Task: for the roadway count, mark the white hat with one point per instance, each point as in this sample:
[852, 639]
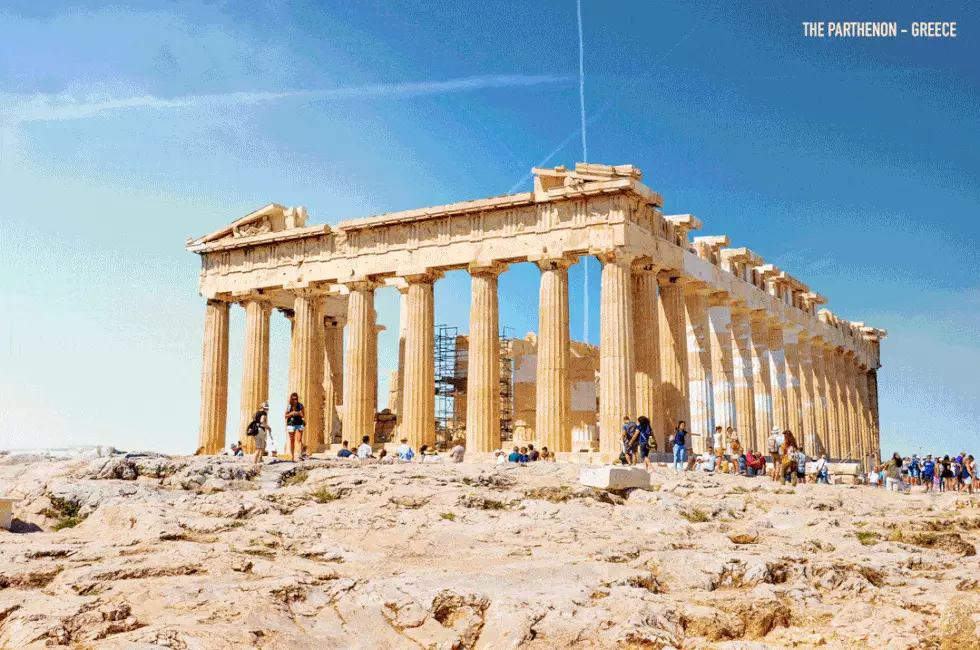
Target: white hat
[776, 430]
[265, 406]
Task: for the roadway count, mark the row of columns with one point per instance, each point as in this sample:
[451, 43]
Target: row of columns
[671, 348]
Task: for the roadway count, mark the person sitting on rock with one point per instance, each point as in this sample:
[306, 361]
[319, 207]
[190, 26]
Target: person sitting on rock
[515, 455]
[429, 455]
[345, 451]
[405, 452]
[532, 453]
[234, 450]
[500, 456]
[547, 456]
[457, 453]
[524, 457]
[365, 450]
[743, 465]
[384, 458]
[707, 462]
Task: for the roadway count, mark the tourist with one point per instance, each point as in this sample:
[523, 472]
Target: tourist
[515, 455]
[958, 472]
[532, 453]
[547, 456]
[734, 444]
[457, 452]
[893, 474]
[259, 429]
[723, 465]
[365, 450]
[524, 457]
[718, 441]
[630, 441]
[967, 474]
[295, 424]
[303, 454]
[345, 451]
[928, 472]
[679, 442]
[500, 456]
[801, 460]
[405, 452]
[787, 458]
[234, 450]
[743, 465]
[822, 470]
[915, 470]
[946, 477]
[644, 436]
[384, 458]
[428, 454]
[707, 462]
[773, 443]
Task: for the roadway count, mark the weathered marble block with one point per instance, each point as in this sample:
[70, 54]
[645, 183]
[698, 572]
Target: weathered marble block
[614, 478]
[6, 511]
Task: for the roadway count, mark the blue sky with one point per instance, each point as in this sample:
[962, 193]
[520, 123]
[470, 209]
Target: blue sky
[852, 164]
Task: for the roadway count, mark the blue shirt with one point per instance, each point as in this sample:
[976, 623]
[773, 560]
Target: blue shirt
[644, 434]
[928, 468]
[344, 453]
[514, 457]
[679, 437]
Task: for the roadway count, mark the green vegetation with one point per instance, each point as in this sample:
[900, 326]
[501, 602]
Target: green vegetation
[323, 495]
[867, 537]
[695, 516]
[448, 515]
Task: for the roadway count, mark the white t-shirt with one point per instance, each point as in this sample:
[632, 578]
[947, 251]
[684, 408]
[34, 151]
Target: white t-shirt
[456, 455]
[719, 439]
[364, 451]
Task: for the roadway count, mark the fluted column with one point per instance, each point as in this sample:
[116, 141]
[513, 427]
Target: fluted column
[373, 356]
[850, 372]
[214, 378]
[777, 375]
[672, 327]
[308, 339]
[794, 397]
[834, 448]
[553, 392]
[843, 418]
[333, 376]
[744, 382]
[872, 379]
[864, 416]
[820, 411]
[419, 422]
[722, 362]
[700, 396]
[646, 343]
[255, 366]
[483, 361]
[807, 396]
[761, 380]
[617, 363]
[400, 375]
[358, 419]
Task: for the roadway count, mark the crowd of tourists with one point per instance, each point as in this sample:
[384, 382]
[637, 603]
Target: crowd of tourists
[725, 453]
[933, 473]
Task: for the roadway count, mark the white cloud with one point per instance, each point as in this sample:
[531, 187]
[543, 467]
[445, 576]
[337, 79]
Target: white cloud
[45, 107]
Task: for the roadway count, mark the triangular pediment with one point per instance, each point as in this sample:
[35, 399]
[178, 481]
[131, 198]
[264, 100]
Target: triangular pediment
[271, 218]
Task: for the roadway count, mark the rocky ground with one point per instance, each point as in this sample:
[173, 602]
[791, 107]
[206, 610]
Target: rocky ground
[149, 551]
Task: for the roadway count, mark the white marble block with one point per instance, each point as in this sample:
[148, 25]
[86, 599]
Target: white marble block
[614, 478]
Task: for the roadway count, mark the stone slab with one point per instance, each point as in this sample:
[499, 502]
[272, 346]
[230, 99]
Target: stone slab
[7, 511]
[614, 478]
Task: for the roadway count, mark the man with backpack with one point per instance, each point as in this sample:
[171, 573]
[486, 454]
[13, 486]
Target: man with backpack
[630, 442]
[258, 429]
[773, 443]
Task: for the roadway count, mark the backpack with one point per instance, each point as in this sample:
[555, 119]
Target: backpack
[628, 430]
[253, 428]
[772, 445]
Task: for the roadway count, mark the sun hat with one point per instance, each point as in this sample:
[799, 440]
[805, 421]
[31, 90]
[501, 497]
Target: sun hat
[265, 406]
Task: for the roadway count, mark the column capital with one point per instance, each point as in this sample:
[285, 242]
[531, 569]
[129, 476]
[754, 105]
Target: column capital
[553, 263]
[217, 301]
[486, 268]
[335, 321]
[720, 299]
[361, 284]
[290, 314]
[644, 265]
[429, 276]
[616, 256]
[739, 307]
[694, 287]
[252, 295]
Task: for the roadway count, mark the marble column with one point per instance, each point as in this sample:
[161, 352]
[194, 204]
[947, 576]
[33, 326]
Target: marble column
[255, 366]
[672, 328]
[308, 339]
[400, 374]
[373, 356]
[777, 375]
[808, 396]
[553, 393]
[700, 395]
[761, 380]
[840, 401]
[872, 379]
[833, 442]
[333, 377]
[646, 343]
[214, 378]
[358, 419]
[850, 372]
[419, 423]
[483, 362]
[744, 381]
[617, 363]
[864, 416]
[722, 361]
[794, 397]
[820, 410]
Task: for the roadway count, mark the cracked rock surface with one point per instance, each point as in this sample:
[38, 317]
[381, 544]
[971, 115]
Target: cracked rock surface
[148, 551]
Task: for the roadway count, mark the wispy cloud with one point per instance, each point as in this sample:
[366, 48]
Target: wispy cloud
[67, 106]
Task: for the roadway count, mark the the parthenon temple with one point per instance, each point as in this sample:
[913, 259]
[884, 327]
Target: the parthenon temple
[690, 328]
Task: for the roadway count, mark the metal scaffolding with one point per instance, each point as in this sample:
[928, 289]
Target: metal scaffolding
[447, 383]
[506, 385]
